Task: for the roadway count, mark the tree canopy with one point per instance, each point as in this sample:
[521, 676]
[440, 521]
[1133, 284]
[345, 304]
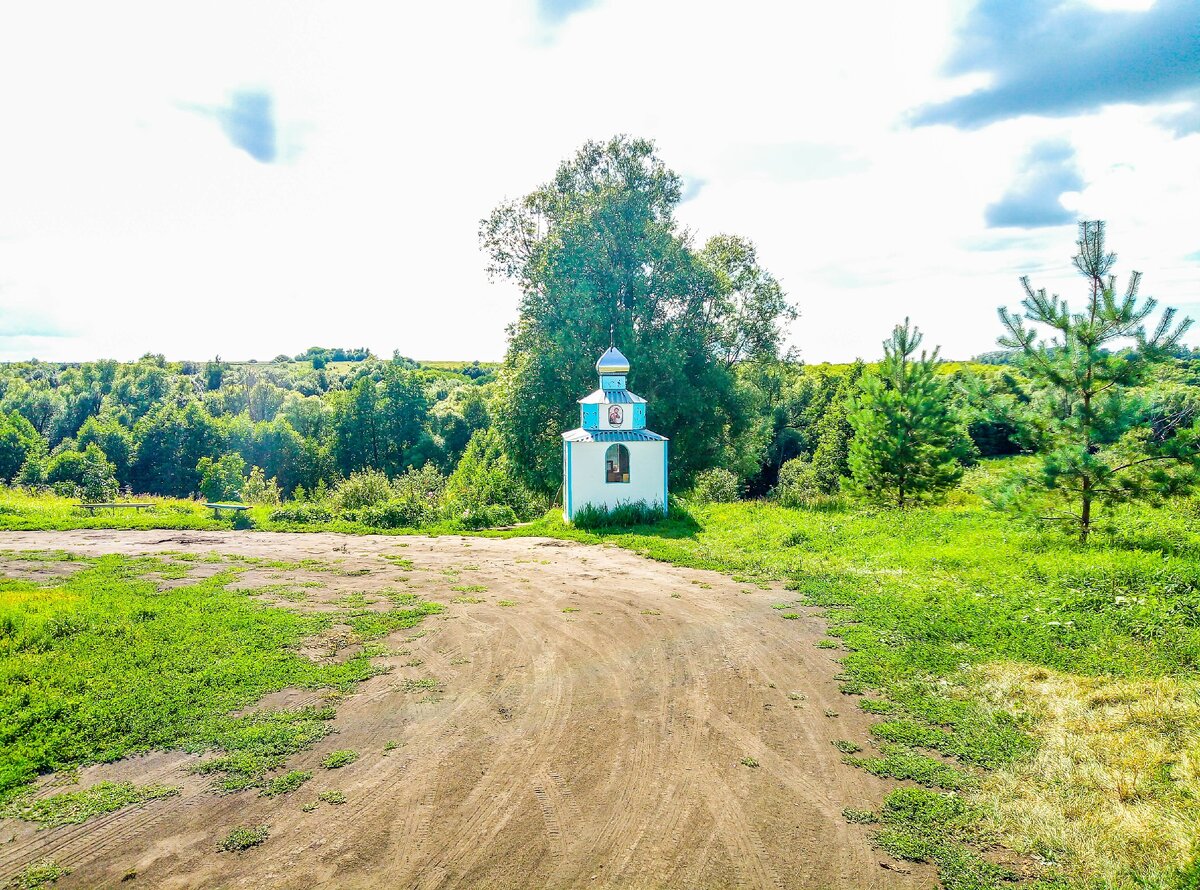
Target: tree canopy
[597, 250]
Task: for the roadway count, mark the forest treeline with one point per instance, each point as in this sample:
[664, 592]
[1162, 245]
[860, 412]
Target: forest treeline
[1113, 411]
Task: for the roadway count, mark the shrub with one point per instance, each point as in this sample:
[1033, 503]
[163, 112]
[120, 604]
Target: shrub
[393, 514]
[485, 476]
[98, 478]
[799, 484]
[422, 492]
[222, 479]
[65, 466]
[622, 516]
[717, 486]
[260, 490]
[301, 513]
[18, 439]
[32, 473]
[490, 516]
[366, 488]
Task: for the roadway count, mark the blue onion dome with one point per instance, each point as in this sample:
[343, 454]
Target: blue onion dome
[612, 362]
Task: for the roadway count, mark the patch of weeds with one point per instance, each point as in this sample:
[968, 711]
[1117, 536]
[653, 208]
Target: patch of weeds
[651, 612]
[419, 685]
[338, 759]
[790, 616]
[846, 746]
[570, 609]
[860, 817]
[898, 762]
[243, 838]
[285, 784]
[470, 588]
[258, 743]
[369, 625]
[925, 826]
[402, 598]
[414, 662]
[333, 797]
[467, 600]
[749, 761]
[829, 713]
[877, 706]
[827, 644]
[399, 562]
[309, 807]
[353, 600]
[177, 665]
[459, 661]
[36, 875]
[675, 596]
[390, 746]
[74, 807]
[505, 603]
[914, 735]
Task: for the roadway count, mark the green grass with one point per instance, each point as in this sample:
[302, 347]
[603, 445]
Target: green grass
[73, 807]
[103, 664]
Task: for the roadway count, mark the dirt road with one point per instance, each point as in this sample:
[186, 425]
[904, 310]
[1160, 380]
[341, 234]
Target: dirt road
[596, 725]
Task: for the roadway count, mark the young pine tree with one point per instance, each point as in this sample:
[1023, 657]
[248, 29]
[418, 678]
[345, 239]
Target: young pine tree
[908, 441]
[1083, 418]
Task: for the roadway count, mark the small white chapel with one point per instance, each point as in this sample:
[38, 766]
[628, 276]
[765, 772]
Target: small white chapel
[612, 459]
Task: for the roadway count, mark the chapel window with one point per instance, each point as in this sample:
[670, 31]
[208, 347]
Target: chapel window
[616, 464]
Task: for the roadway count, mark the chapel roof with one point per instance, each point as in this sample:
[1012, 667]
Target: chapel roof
[612, 362]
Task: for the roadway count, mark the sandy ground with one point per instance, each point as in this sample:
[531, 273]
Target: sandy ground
[594, 748]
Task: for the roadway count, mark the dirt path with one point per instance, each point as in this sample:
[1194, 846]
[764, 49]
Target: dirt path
[601, 747]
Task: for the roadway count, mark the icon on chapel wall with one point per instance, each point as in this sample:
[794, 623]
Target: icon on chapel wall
[615, 415]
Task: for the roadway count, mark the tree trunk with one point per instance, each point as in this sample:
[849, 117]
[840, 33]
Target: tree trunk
[1085, 515]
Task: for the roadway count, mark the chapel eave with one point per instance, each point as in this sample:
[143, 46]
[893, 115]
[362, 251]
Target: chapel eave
[612, 397]
[585, 435]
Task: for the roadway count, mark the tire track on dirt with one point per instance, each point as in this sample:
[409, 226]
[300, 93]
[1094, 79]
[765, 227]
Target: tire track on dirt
[597, 748]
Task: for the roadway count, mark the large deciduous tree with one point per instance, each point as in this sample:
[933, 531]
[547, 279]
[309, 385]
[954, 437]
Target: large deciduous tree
[595, 250]
[1083, 417]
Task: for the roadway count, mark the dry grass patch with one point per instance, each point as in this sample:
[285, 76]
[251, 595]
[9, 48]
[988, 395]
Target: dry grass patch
[1112, 794]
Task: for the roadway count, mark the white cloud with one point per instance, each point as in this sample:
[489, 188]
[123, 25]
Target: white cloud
[131, 224]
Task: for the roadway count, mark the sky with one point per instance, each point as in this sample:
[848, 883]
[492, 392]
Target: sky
[249, 179]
